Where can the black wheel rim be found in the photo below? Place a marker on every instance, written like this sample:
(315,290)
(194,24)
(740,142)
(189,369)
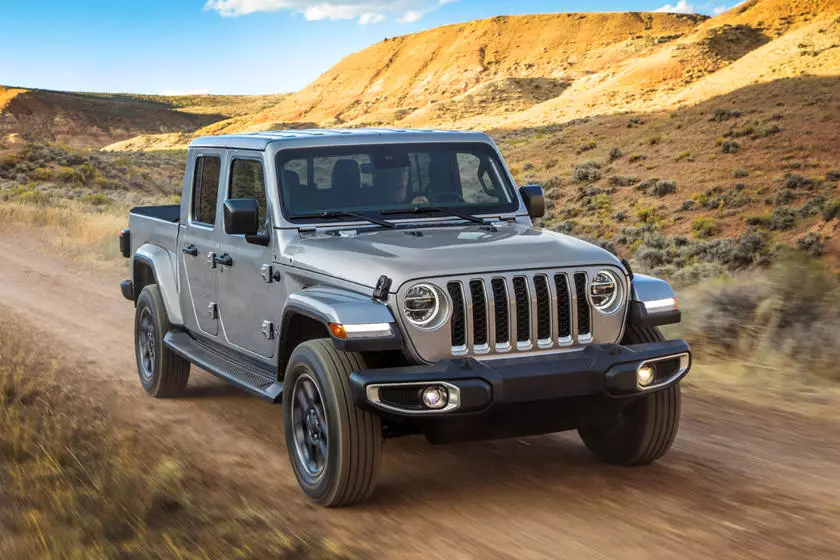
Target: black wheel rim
(146,344)
(309,424)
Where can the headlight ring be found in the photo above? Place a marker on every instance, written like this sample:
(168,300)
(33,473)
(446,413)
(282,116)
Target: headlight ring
(424,306)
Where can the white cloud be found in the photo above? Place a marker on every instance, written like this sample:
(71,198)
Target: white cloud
(681,7)
(365,11)
(411,16)
(717,10)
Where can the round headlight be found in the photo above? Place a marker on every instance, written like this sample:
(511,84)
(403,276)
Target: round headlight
(604,291)
(421,305)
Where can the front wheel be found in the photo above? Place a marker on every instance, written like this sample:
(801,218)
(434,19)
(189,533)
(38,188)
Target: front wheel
(644,430)
(334,447)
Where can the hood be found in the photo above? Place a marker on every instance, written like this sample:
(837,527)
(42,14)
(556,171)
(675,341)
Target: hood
(427,252)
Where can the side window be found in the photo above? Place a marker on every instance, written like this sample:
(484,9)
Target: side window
(206,189)
(247,181)
(478,185)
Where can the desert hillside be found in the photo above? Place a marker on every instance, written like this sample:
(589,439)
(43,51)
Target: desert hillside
(719,135)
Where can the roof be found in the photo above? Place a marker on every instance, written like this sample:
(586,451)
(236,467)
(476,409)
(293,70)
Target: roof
(329,137)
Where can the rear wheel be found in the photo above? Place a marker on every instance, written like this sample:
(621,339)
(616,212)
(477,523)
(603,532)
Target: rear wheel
(643,430)
(163,373)
(334,446)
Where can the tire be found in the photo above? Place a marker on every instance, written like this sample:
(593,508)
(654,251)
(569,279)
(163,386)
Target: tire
(163,373)
(645,428)
(342,470)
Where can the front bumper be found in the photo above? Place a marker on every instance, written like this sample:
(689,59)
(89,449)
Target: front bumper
(599,370)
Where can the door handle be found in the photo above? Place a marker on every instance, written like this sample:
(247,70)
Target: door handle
(190,250)
(224,260)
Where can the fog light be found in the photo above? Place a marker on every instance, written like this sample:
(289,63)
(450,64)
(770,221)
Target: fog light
(435,397)
(645,375)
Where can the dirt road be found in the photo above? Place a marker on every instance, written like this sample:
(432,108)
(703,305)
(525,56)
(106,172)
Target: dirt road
(740,482)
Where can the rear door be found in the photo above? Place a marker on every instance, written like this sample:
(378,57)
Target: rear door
(251,301)
(198,243)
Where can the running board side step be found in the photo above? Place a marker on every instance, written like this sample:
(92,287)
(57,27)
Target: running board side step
(248,374)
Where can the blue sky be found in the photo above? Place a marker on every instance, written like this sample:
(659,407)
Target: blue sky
(231,46)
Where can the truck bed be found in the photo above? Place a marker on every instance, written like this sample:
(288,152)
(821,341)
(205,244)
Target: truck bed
(168,213)
(157,225)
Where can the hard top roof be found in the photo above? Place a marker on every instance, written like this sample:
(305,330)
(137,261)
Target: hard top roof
(328,136)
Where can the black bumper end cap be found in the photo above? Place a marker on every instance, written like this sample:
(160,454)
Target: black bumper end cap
(127,289)
(640,317)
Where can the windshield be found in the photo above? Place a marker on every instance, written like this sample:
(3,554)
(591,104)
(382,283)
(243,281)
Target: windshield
(375,178)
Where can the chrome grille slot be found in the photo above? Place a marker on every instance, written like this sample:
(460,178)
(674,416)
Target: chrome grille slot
(523,311)
(458,323)
(479,316)
(564,309)
(502,314)
(584,328)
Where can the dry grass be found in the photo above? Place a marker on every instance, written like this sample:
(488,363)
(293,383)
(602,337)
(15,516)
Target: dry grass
(73,486)
(70,228)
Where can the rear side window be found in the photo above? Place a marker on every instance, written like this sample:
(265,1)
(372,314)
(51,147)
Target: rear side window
(247,181)
(206,189)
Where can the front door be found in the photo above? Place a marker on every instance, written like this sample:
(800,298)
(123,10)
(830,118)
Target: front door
(198,243)
(251,299)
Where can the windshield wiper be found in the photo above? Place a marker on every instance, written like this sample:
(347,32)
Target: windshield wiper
(429,209)
(342,214)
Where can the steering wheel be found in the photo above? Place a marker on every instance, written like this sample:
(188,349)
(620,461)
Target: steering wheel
(439,197)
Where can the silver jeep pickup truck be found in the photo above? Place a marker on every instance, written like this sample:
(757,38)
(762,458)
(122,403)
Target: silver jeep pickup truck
(381,283)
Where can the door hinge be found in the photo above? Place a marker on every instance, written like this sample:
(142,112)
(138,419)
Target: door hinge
(211,259)
(213,310)
(268,330)
(267,273)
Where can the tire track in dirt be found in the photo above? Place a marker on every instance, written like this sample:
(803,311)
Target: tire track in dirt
(740,482)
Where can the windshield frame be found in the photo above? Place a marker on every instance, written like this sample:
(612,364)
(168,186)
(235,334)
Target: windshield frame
(511,208)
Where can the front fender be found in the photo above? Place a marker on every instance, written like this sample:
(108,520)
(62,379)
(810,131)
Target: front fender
(349,309)
(160,261)
(652,302)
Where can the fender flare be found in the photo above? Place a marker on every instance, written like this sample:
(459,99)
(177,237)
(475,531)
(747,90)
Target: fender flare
(159,260)
(334,305)
(652,302)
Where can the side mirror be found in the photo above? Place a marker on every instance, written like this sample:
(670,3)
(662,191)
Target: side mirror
(534,199)
(242,216)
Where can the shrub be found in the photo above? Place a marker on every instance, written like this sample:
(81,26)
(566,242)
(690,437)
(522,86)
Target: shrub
(811,243)
(587,171)
(634,121)
(687,205)
(655,139)
(814,207)
(648,215)
(623,180)
(705,227)
(637,158)
(784,196)
(615,154)
(730,147)
(663,188)
(721,115)
(794,181)
(740,172)
(788,316)
(96,199)
(586,146)
(621,216)
(832,176)
(682,156)
(832,210)
(783,218)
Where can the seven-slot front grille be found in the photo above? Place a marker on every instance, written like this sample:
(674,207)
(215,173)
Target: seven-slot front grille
(537,311)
